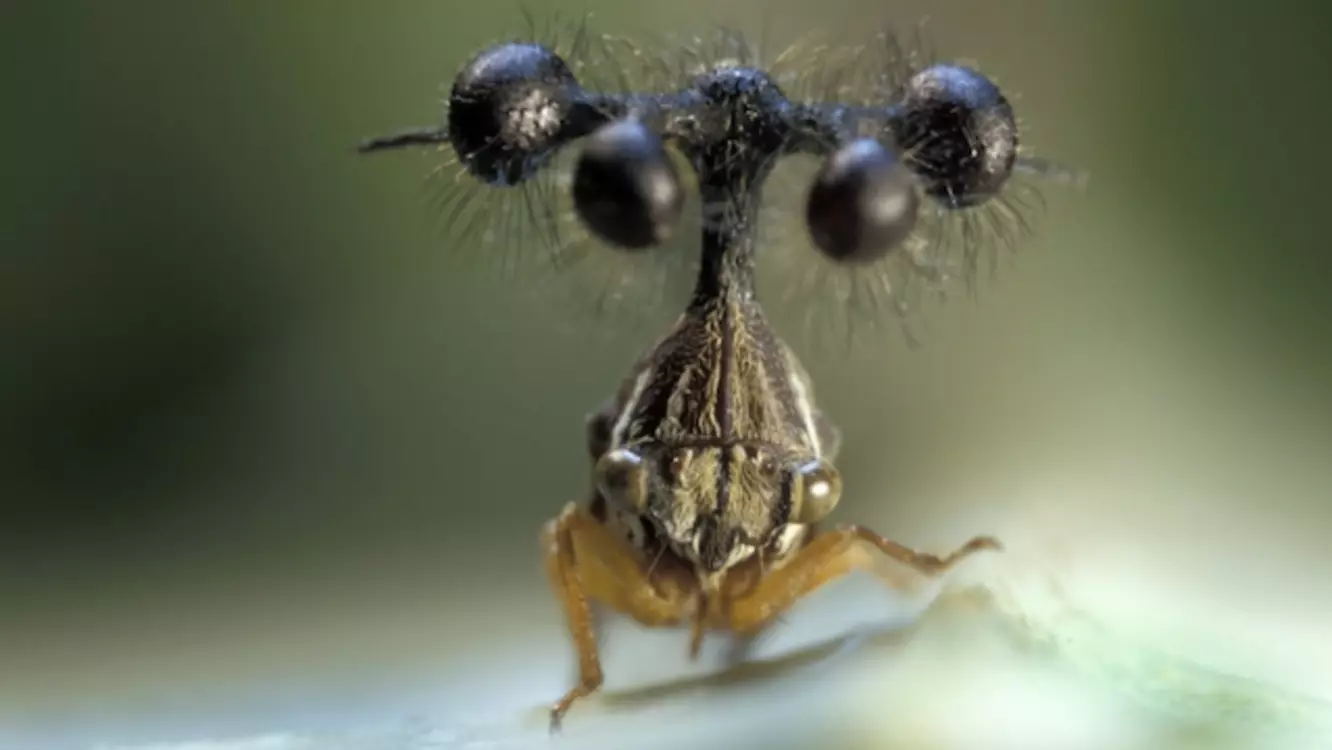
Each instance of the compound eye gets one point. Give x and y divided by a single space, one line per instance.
625 187
622 479
863 204
818 487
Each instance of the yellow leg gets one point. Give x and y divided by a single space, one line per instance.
825 558
586 561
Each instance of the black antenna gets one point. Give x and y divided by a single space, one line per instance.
415 137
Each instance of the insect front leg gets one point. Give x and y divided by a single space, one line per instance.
827 557
598 426
587 562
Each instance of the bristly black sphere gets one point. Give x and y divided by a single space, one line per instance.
507 110
625 187
958 134
896 216
863 204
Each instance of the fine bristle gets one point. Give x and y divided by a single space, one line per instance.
531 232
532 227
846 307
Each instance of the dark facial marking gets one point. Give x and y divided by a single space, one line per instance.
781 509
725 405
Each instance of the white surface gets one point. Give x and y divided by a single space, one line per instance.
1011 663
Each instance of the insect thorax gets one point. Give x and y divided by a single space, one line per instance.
720 412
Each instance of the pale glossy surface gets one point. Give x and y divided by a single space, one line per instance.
1003 646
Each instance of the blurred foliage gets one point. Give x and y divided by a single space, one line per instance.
237 362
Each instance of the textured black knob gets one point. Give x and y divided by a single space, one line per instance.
864 202
625 187
959 134
507 110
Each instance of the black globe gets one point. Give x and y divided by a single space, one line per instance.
863 204
625 188
958 133
507 110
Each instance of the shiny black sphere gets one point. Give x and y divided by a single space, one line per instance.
958 133
863 204
507 109
625 187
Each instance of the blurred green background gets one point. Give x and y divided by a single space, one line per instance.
257 422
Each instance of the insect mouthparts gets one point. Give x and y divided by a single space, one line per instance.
715 548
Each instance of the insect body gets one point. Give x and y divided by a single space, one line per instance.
712 467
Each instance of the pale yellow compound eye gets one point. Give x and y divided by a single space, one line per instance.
622 479
818 487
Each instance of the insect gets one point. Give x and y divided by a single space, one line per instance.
712 467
